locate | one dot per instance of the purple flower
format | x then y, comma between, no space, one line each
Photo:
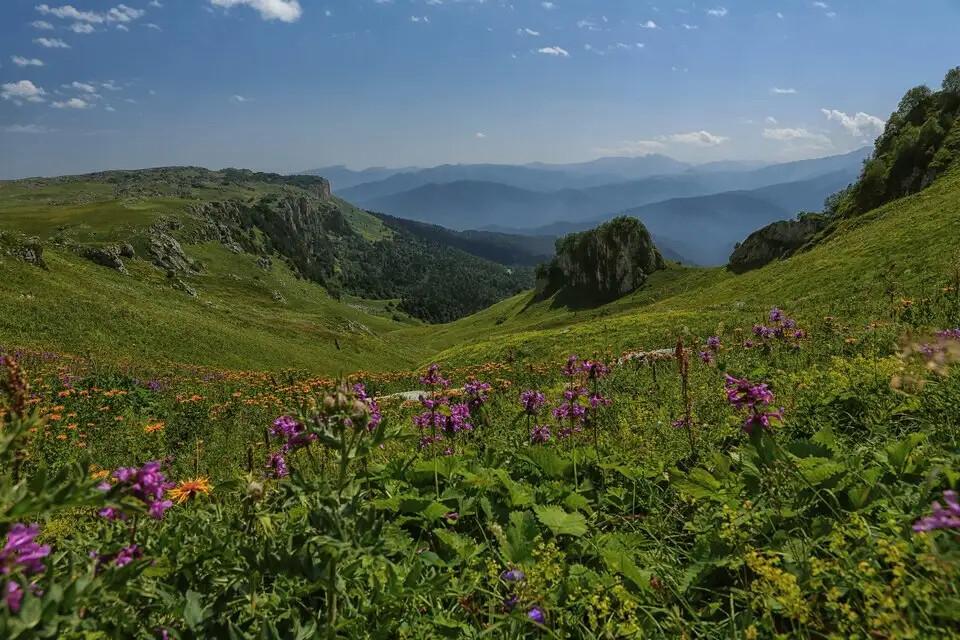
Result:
532,401
277,464
451,516
598,400
946,516
705,357
540,434
127,555
375,416
949,334
158,508
459,419
13,596
595,370
285,427
477,393
680,423
21,551
433,378
713,343
536,615
572,367
513,575
776,315
745,394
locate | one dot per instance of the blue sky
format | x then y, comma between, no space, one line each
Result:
293,84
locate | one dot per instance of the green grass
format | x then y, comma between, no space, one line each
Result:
902,249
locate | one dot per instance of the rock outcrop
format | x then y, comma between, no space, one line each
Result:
29,250
108,256
601,264
775,242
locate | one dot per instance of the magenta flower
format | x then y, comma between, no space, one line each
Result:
147,484
572,367
22,552
433,378
285,427
945,516
375,416
595,370
754,398
13,596
532,401
713,343
540,434
477,393
277,464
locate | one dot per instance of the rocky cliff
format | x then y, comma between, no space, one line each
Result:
775,242
602,264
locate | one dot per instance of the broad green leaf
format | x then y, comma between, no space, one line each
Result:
560,522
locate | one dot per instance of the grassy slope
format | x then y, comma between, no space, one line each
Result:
914,239
80,307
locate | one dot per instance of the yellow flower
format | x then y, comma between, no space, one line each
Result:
190,489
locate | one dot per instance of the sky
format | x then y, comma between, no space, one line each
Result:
288,85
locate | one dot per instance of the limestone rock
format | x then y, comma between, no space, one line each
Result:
106,257
601,264
775,242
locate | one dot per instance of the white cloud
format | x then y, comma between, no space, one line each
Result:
81,86
821,5
777,91
22,91
20,61
719,12
239,99
589,25
419,19
554,51
770,120
860,124
698,138
51,43
480,135
780,15
156,4
798,135
528,31
110,85
72,103
153,26
689,27
632,148
282,10
82,27
34,129
68,12
43,25
649,24
547,5
123,13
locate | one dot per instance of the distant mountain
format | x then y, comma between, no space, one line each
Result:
340,177
704,229
620,168
481,204
503,248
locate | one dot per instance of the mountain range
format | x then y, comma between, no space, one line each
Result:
669,196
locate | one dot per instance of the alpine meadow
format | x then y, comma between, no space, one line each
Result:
597,321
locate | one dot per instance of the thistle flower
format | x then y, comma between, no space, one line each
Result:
945,516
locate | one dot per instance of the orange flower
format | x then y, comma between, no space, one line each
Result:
154,427
189,489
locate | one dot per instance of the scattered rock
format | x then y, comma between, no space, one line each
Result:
167,253
265,263
29,250
106,257
180,285
278,297
127,251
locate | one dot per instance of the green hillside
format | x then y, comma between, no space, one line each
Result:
230,268
907,249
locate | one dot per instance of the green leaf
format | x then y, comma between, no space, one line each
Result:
560,522
549,461
521,535
193,613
